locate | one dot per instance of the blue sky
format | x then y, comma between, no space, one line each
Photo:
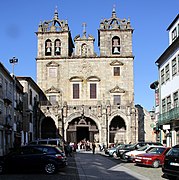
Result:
19,20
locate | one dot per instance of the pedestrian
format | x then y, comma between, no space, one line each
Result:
68,149
93,147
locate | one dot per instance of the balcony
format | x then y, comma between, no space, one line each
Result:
169,116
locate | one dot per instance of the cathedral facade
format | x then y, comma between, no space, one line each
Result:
90,96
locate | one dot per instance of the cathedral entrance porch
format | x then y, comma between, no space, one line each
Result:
82,133
80,129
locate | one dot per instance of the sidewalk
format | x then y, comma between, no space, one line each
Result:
96,166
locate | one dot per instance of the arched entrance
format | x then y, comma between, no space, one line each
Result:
48,128
117,130
82,128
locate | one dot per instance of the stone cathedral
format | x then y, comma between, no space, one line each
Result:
90,96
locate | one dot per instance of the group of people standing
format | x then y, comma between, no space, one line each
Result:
86,145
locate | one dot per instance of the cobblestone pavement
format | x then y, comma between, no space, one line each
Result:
86,166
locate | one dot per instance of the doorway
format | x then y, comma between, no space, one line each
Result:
82,133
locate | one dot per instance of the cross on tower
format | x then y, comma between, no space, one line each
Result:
84,29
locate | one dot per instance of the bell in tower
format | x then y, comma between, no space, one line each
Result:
48,49
116,50
57,49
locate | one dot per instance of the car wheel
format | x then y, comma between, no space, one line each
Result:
123,156
156,164
50,168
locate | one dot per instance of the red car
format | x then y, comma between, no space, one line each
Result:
154,157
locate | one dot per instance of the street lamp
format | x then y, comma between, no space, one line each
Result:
108,113
64,115
13,61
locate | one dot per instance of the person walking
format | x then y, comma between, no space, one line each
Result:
93,147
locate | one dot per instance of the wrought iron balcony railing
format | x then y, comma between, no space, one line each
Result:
169,116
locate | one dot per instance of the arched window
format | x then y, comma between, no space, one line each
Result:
57,47
84,50
115,45
48,47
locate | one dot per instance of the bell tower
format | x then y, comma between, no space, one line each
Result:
115,36
54,44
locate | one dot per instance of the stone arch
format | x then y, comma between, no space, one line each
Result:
118,126
48,128
80,127
77,115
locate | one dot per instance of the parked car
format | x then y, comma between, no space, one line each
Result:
47,158
171,163
113,151
154,157
52,141
121,152
129,156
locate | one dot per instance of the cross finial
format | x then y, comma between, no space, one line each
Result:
114,11
56,13
84,29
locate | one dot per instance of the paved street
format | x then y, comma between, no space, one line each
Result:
99,166
86,166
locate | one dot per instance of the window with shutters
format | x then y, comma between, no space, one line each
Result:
117,100
76,91
174,34
175,99
93,91
168,103
162,76
174,67
163,105
116,71
167,72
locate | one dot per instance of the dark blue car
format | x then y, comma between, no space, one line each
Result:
46,158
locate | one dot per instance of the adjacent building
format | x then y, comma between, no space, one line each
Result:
167,88
31,111
11,110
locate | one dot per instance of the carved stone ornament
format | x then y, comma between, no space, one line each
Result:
52,64
52,90
117,89
116,63
76,79
85,68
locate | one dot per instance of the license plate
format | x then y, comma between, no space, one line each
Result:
174,164
138,160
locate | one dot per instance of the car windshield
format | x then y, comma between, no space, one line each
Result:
174,152
143,148
121,146
131,146
156,150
